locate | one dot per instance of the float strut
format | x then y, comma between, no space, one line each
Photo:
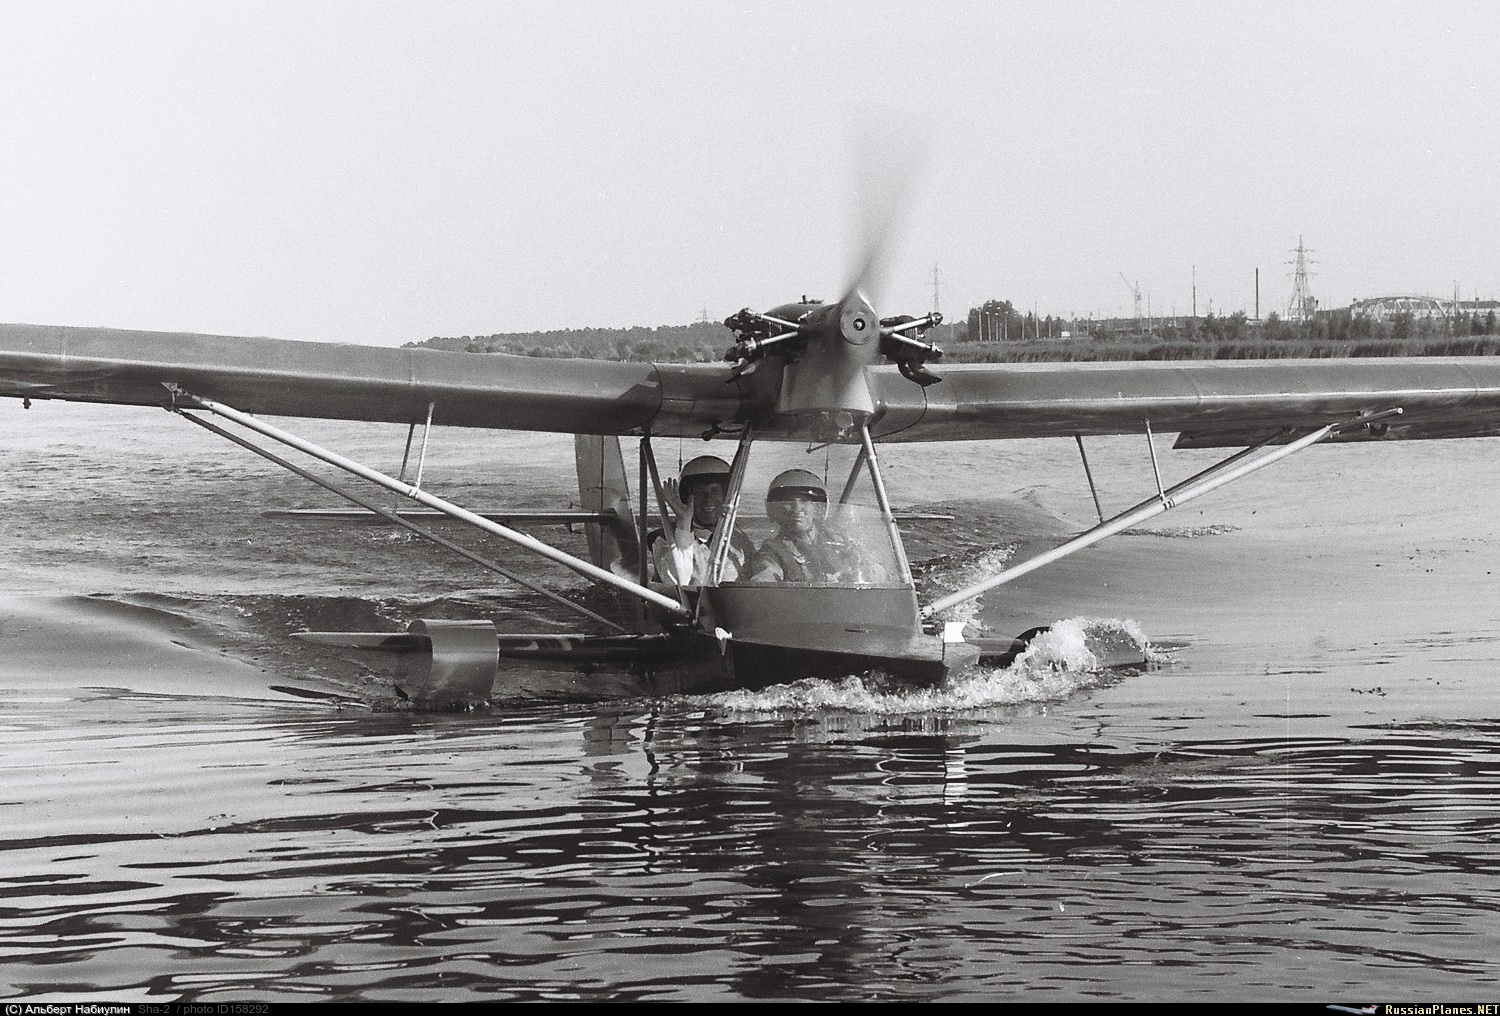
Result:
582,567
393,517
1212,478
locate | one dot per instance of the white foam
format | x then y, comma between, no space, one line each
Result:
981,566
1057,664
1183,532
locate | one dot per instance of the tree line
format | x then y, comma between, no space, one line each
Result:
997,332
699,342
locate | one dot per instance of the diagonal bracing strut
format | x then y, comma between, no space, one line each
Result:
396,519
582,567
1215,476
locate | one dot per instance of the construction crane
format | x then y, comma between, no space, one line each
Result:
1135,291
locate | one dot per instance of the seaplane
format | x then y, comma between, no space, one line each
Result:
804,577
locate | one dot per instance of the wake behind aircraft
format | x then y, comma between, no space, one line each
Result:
821,374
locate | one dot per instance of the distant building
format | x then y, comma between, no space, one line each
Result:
1480,307
1387,308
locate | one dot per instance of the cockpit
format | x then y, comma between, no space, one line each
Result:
790,521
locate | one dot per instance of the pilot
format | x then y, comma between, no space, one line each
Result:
697,502
805,548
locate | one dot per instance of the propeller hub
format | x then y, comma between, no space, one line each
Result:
858,323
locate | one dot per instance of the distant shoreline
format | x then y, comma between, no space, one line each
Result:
1063,351
706,341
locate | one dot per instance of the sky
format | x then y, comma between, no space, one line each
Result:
384,172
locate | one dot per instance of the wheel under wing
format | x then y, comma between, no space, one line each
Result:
1208,402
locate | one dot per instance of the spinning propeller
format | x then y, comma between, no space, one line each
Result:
852,319
844,337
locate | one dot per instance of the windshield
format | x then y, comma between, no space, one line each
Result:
810,542
811,526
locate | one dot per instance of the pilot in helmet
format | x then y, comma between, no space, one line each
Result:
696,500
804,547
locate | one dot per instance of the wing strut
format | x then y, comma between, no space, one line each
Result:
395,517
380,479
867,450
1212,478
1089,473
411,431
1156,467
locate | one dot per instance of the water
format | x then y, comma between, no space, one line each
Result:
1297,798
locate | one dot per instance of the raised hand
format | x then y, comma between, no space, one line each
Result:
680,509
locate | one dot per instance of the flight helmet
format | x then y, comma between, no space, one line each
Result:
703,469
796,483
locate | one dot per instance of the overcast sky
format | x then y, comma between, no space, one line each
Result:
385,172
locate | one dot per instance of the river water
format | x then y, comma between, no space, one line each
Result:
1296,799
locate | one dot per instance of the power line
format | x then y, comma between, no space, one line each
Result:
1303,305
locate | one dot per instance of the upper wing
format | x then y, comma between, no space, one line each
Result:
1209,402
351,382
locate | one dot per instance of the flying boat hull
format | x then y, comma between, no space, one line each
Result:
456,664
